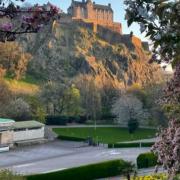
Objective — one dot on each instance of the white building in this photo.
(27, 130)
(12, 132)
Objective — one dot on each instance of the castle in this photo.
(97, 14)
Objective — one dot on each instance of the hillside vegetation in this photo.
(68, 70)
(69, 51)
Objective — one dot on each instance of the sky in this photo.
(117, 6)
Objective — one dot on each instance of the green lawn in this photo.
(106, 135)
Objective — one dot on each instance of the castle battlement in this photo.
(89, 11)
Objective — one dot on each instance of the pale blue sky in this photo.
(117, 5)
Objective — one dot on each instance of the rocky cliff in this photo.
(67, 51)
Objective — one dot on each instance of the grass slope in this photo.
(22, 87)
(106, 135)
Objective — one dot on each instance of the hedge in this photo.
(89, 172)
(130, 145)
(56, 120)
(63, 120)
(147, 160)
(69, 138)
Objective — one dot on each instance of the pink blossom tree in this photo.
(160, 21)
(16, 20)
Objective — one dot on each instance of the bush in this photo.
(130, 145)
(63, 120)
(146, 160)
(7, 175)
(153, 177)
(56, 120)
(133, 125)
(156, 177)
(89, 172)
(68, 138)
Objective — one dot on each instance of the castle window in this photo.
(82, 12)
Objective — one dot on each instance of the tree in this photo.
(168, 148)
(16, 20)
(133, 125)
(108, 94)
(73, 101)
(149, 95)
(18, 109)
(160, 20)
(129, 111)
(61, 99)
(52, 95)
(5, 97)
(90, 96)
(37, 108)
(13, 59)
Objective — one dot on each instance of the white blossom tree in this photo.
(127, 109)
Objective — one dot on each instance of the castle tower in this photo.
(90, 11)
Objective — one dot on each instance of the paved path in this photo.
(142, 140)
(61, 155)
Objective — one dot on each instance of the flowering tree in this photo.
(160, 21)
(129, 111)
(168, 148)
(15, 20)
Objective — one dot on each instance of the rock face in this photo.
(67, 51)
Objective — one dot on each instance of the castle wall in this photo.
(114, 37)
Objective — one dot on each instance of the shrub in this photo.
(69, 138)
(152, 177)
(146, 160)
(130, 145)
(89, 172)
(63, 120)
(7, 175)
(56, 120)
(155, 177)
(133, 125)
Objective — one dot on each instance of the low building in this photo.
(27, 130)
(12, 132)
(6, 132)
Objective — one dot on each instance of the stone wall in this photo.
(6, 138)
(115, 38)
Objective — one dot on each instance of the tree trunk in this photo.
(128, 177)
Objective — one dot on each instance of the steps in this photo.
(30, 142)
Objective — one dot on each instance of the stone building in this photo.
(6, 133)
(89, 11)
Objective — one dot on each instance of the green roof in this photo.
(2, 120)
(27, 124)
